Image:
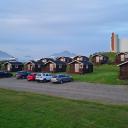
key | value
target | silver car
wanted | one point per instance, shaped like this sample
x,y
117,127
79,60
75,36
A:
x,y
61,78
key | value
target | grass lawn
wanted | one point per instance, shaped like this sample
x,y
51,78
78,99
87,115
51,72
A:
x,y
105,74
27,110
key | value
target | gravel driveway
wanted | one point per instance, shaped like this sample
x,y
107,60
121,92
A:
x,y
114,94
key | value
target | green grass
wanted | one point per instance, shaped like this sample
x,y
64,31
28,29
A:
x,y
104,74
27,110
111,56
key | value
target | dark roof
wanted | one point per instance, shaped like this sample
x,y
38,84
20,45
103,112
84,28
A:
x,y
57,62
121,53
99,55
122,63
81,56
40,62
48,59
31,61
35,62
84,62
63,57
14,63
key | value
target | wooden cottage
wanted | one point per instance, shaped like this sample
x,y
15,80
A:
x,y
80,67
99,59
81,58
13,66
54,66
64,59
123,74
33,66
121,57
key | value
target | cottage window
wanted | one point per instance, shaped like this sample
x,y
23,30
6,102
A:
x,y
44,60
126,56
87,67
63,59
81,66
101,58
16,66
80,58
60,66
39,66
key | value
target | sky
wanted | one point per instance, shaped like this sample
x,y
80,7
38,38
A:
x,y
40,28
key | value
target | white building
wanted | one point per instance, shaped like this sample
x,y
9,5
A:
x,y
123,45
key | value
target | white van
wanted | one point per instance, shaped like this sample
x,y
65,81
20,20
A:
x,y
43,77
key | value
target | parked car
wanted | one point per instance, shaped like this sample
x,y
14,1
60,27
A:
x,y
22,74
5,74
61,78
31,77
43,77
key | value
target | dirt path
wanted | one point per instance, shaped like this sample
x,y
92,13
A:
x,y
76,90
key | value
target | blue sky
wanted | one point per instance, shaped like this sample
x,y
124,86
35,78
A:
x,y
42,27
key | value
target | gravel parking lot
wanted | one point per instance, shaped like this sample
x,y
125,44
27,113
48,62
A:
x,y
117,94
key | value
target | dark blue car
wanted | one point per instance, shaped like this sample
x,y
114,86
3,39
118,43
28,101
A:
x,y
5,74
22,74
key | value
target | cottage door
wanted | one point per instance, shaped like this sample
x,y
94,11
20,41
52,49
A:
x,y
77,67
97,59
29,67
51,67
8,67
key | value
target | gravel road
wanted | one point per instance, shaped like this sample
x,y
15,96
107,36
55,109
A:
x,y
114,94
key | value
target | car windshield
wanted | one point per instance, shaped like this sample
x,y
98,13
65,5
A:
x,y
39,74
58,76
1,72
33,74
21,72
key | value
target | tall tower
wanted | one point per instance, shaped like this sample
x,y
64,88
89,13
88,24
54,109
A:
x,y
115,43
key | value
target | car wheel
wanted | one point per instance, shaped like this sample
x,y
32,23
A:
x,y
71,80
44,80
23,77
61,82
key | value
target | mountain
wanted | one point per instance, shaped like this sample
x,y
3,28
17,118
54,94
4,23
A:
x,y
6,56
64,53
25,58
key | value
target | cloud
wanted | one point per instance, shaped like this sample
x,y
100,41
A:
x,y
86,22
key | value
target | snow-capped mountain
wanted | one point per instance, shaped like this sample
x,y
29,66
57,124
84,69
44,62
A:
x,y
64,53
5,56
25,58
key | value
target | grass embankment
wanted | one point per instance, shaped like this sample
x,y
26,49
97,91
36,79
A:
x,y
104,74
27,110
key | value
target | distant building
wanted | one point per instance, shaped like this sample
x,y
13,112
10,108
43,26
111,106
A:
x,y
115,43
118,45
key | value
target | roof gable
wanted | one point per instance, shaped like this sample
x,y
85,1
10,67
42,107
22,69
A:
x,y
122,64
57,62
81,62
